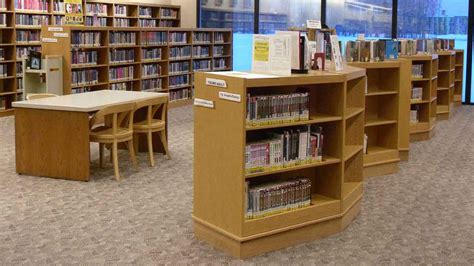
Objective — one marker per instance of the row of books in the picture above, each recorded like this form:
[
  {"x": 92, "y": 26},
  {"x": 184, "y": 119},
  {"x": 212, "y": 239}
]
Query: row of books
[
  {"x": 151, "y": 54},
  {"x": 3, "y": 20},
  {"x": 26, "y": 36},
  {"x": 58, "y": 20},
  {"x": 414, "y": 114},
  {"x": 147, "y": 23},
  {"x": 417, "y": 71},
  {"x": 284, "y": 148},
  {"x": 178, "y": 37},
  {"x": 219, "y": 37},
  {"x": 220, "y": 64},
  {"x": 122, "y": 55},
  {"x": 183, "y": 94},
  {"x": 122, "y": 22},
  {"x": 58, "y": 6},
  {"x": 21, "y": 19},
  {"x": 3, "y": 70},
  {"x": 2, "y": 54},
  {"x": 178, "y": 81},
  {"x": 425, "y": 46},
  {"x": 154, "y": 38},
  {"x": 23, "y": 52},
  {"x": 218, "y": 50},
  {"x": 80, "y": 90},
  {"x": 120, "y": 10},
  {"x": 277, "y": 197},
  {"x": 168, "y": 13},
  {"x": 277, "y": 109},
  {"x": 96, "y": 9},
  {"x": 84, "y": 57},
  {"x": 201, "y": 37},
  {"x": 371, "y": 51},
  {"x": 85, "y": 39},
  {"x": 145, "y": 12},
  {"x": 19, "y": 68},
  {"x": 151, "y": 70},
  {"x": 84, "y": 77},
  {"x": 179, "y": 67},
  {"x": 37, "y": 5},
  {"x": 123, "y": 38},
  {"x": 202, "y": 65},
  {"x": 180, "y": 52},
  {"x": 96, "y": 21},
  {"x": 416, "y": 94},
  {"x": 167, "y": 23},
  {"x": 120, "y": 86},
  {"x": 121, "y": 73},
  {"x": 151, "y": 84},
  {"x": 201, "y": 51}
]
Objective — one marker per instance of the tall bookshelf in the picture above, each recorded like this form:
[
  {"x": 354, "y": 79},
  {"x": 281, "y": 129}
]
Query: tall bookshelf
[
  {"x": 458, "y": 77},
  {"x": 336, "y": 103},
  {"x": 179, "y": 53},
  {"x": 423, "y": 123},
  {"x": 386, "y": 115},
  {"x": 7, "y": 79},
  {"x": 446, "y": 73}
]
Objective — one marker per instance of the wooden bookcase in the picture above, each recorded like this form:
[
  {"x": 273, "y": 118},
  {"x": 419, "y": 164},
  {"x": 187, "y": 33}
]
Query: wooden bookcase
[
  {"x": 426, "y": 107},
  {"x": 446, "y": 74},
  {"x": 219, "y": 58},
  {"x": 220, "y": 137},
  {"x": 458, "y": 77},
  {"x": 386, "y": 115}
]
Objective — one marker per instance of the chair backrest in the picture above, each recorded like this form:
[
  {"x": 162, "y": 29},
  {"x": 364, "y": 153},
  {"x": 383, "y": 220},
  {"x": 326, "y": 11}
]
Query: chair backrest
[
  {"x": 153, "y": 106},
  {"x": 115, "y": 116},
  {"x": 40, "y": 96}
]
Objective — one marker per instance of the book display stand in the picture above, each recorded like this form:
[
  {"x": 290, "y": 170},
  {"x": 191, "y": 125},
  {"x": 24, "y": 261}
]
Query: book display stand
[
  {"x": 230, "y": 212},
  {"x": 446, "y": 74}
]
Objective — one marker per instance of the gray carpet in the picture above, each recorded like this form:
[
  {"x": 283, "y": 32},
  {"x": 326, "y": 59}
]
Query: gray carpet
[{"x": 424, "y": 214}]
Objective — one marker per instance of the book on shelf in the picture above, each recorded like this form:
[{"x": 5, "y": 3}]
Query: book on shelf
[
  {"x": 277, "y": 109},
  {"x": 27, "y": 36},
  {"x": 23, "y": 52},
  {"x": 84, "y": 57},
  {"x": 59, "y": 20},
  {"x": 150, "y": 23},
  {"x": 184, "y": 94},
  {"x": 178, "y": 81},
  {"x": 201, "y": 51},
  {"x": 96, "y": 21},
  {"x": 276, "y": 197},
  {"x": 168, "y": 13},
  {"x": 122, "y": 56},
  {"x": 120, "y": 10},
  {"x": 151, "y": 70},
  {"x": 84, "y": 77},
  {"x": 201, "y": 37},
  {"x": 218, "y": 50},
  {"x": 3, "y": 70},
  {"x": 80, "y": 90},
  {"x": 96, "y": 9},
  {"x": 166, "y": 23},
  {"x": 122, "y": 38},
  {"x": 121, "y": 73},
  {"x": 151, "y": 85},
  {"x": 151, "y": 54},
  {"x": 119, "y": 86},
  {"x": 145, "y": 12},
  {"x": 220, "y": 63},
  {"x": 281, "y": 148},
  {"x": 32, "y": 5},
  {"x": 122, "y": 22},
  {"x": 178, "y": 38},
  {"x": 58, "y": 6},
  {"x": 179, "y": 67},
  {"x": 85, "y": 39},
  {"x": 3, "y": 20},
  {"x": 180, "y": 52},
  {"x": 2, "y": 54},
  {"x": 416, "y": 94},
  {"x": 417, "y": 71},
  {"x": 365, "y": 51},
  {"x": 202, "y": 65},
  {"x": 154, "y": 38},
  {"x": 414, "y": 114}
]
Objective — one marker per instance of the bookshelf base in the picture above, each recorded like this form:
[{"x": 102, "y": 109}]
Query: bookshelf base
[
  {"x": 443, "y": 116},
  {"x": 7, "y": 112},
  {"x": 253, "y": 246},
  {"x": 421, "y": 136},
  {"x": 387, "y": 168},
  {"x": 404, "y": 155}
]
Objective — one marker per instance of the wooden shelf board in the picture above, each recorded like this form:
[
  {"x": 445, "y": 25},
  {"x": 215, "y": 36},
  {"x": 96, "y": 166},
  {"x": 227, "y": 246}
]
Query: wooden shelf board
[
  {"x": 75, "y": 48},
  {"x": 434, "y": 77},
  {"x": 420, "y": 127},
  {"x": 377, "y": 93},
  {"x": 153, "y": 77},
  {"x": 442, "y": 89},
  {"x": 318, "y": 118},
  {"x": 180, "y": 59},
  {"x": 7, "y": 93},
  {"x": 353, "y": 111},
  {"x": 434, "y": 98},
  {"x": 88, "y": 85},
  {"x": 458, "y": 80},
  {"x": 379, "y": 122},
  {"x": 145, "y": 61},
  {"x": 7, "y": 77},
  {"x": 459, "y": 65},
  {"x": 372, "y": 150},
  {"x": 180, "y": 87},
  {"x": 326, "y": 161},
  {"x": 376, "y": 65},
  {"x": 349, "y": 188},
  {"x": 87, "y": 66},
  {"x": 114, "y": 64},
  {"x": 179, "y": 74},
  {"x": 443, "y": 70},
  {"x": 351, "y": 150},
  {"x": 420, "y": 79},
  {"x": 123, "y": 80},
  {"x": 419, "y": 102}
]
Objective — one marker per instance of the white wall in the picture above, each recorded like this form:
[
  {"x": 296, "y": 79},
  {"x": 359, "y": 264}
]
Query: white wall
[{"x": 188, "y": 12}]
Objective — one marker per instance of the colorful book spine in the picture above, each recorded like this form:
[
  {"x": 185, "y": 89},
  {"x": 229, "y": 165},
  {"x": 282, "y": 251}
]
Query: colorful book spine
[
  {"x": 121, "y": 73},
  {"x": 177, "y": 95},
  {"x": 84, "y": 77},
  {"x": 180, "y": 52},
  {"x": 122, "y": 56},
  {"x": 178, "y": 81},
  {"x": 151, "y": 85},
  {"x": 151, "y": 54},
  {"x": 179, "y": 67},
  {"x": 84, "y": 57}
]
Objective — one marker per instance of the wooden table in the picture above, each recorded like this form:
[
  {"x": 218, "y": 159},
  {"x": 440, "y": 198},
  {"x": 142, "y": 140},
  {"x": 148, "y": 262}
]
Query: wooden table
[{"x": 52, "y": 134}]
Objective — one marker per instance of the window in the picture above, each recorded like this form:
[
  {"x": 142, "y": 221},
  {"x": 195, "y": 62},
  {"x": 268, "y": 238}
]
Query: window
[
  {"x": 237, "y": 15},
  {"x": 282, "y": 14},
  {"x": 352, "y": 17}
]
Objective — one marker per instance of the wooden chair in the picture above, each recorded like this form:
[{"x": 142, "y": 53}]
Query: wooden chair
[
  {"x": 40, "y": 96},
  {"x": 154, "y": 122},
  {"x": 113, "y": 125}
]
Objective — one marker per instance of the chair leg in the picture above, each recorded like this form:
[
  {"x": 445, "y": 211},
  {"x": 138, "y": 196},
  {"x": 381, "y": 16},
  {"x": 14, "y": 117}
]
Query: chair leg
[
  {"x": 165, "y": 143},
  {"x": 150, "y": 148},
  {"x": 135, "y": 141},
  {"x": 101, "y": 155},
  {"x": 115, "y": 158},
  {"x": 131, "y": 149},
  {"x": 111, "y": 154}
]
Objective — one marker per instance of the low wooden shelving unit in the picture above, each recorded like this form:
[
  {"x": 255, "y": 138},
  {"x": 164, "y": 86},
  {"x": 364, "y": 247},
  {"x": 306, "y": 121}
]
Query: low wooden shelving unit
[
  {"x": 423, "y": 128},
  {"x": 221, "y": 182},
  {"x": 386, "y": 115},
  {"x": 458, "y": 77},
  {"x": 446, "y": 73}
]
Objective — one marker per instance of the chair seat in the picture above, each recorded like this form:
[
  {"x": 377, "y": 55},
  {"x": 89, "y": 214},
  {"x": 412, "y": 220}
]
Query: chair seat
[
  {"x": 103, "y": 133},
  {"x": 156, "y": 125}
]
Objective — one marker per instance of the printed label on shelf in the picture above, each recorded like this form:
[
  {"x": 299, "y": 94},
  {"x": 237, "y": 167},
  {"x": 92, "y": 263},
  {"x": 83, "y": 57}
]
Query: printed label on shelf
[
  {"x": 313, "y": 24},
  {"x": 203, "y": 103},
  {"x": 61, "y": 35},
  {"x": 49, "y": 40},
  {"x": 230, "y": 96},
  {"x": 55, "y": 29},
  {"x": 216, "y": 83}
]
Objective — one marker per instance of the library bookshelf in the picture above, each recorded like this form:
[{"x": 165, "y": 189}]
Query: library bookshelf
[
  {"x": 386, "y": 115},
  {"x": 458, "y": 77},
  {"x": 145, "y": 59},
  {"x": 22, "y": 28},
  {"x": 423, "y": 124},
  {"x": 446, "y": 73},
  {"x": 221, "y": 180}
]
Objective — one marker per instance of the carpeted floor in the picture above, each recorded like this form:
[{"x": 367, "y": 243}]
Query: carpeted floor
[{"x": 423, "y": 214}]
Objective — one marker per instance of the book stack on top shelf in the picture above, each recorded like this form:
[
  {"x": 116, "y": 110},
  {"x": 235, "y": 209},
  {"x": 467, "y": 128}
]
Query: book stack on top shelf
[
  {"x": 458, "y": 77},
  {"x": 424, "y": 83},
  {"x": 446, "y": 84},
  {"x": 308, "y": 149},
  {"x": 387, "y": 107},
  {"x": 139, "y": 59}
]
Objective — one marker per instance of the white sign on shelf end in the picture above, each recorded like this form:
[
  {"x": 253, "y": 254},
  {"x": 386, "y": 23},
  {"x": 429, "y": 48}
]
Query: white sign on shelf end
[
  {"x": 216, "y": 82},
  {"x": 230, "y": 96},
  {"x": 203, "y": 103}
]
